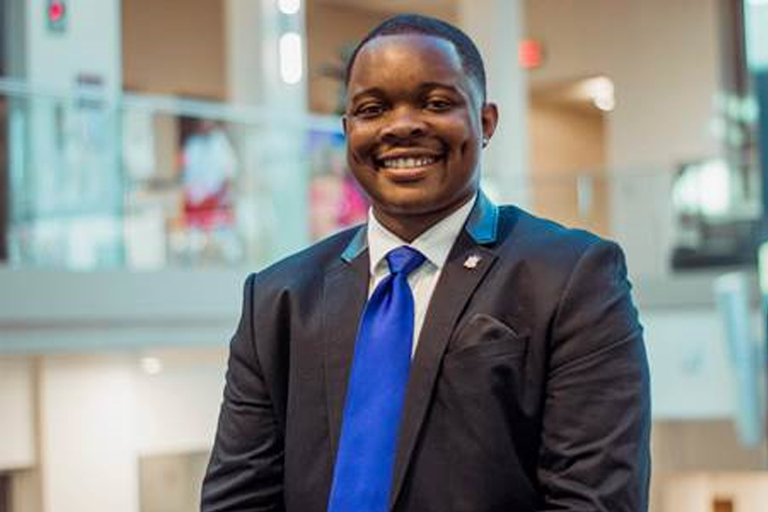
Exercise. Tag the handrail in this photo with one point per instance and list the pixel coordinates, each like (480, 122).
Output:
(175, 105)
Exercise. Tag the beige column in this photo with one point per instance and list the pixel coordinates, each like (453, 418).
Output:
(496, 26)
(274, 202)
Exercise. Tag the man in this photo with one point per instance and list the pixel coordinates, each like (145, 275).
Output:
(524, 386)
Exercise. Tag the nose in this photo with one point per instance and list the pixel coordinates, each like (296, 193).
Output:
(403, 124)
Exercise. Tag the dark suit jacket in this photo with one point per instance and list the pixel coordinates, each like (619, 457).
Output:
(529, 389)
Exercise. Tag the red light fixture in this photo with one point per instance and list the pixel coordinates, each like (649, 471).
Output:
(530, 54)
(56, 12)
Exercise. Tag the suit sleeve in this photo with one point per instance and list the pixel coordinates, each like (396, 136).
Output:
(245, 473)
(596, 425)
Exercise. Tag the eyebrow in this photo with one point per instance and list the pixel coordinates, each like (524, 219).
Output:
(372, 91)
(378, 91)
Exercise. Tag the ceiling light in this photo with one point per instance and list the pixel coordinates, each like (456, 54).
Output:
(151, 365)
(602, 93)
(291, 60)
(289, 6)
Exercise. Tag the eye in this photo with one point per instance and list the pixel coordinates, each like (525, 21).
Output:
(369, 110)
(438, 104)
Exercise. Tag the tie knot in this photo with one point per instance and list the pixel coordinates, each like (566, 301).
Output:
(404, 260)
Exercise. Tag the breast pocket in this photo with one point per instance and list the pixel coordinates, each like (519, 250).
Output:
(484, 336)
(480, 401)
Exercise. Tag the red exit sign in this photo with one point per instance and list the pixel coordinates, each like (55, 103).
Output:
(56, 14)
(530, 54)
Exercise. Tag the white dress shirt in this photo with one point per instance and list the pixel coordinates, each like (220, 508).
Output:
(435, 244)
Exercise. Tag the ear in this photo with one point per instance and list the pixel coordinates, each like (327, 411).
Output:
(489, 116)
(344, 124)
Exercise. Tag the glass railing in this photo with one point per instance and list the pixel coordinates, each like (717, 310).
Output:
(145, 182)
(148, 182)
(700, 215)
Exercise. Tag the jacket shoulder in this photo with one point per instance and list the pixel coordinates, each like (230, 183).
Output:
(542, 240)
(308, 264)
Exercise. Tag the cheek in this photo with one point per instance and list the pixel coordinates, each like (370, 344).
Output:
(356, 159)
(463, 132)
(360, 141)
(359, 161)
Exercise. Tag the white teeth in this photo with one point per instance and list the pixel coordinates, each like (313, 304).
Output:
(408, 163)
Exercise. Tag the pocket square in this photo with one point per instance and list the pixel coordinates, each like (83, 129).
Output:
(482, 330)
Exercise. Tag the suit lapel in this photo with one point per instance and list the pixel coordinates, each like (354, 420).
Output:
(466, 267)
(344, 295)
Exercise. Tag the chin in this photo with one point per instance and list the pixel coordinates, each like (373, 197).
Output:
(409, 202)
(420, 206)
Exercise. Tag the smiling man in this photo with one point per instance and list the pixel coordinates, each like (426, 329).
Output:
(451, 354)
(416, 123)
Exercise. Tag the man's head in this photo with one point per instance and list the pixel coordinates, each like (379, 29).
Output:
(416, 121)
(471, 60)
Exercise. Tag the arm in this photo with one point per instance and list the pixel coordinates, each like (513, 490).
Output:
(245, 472)
(596, 424)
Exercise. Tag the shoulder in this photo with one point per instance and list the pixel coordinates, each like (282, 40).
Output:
(553, 253)
(524, 232)
(307, 266)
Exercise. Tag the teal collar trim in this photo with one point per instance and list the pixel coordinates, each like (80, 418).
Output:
(358, 244)
(483, 222)
(482, 226)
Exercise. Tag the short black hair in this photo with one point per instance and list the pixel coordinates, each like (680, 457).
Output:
(404, 24)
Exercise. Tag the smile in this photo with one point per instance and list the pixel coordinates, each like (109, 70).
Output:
(407, 162)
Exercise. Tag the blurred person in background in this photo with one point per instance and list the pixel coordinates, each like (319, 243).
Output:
(451, 354)
(208, 166)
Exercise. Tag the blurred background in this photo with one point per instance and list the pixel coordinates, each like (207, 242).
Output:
(154, 152)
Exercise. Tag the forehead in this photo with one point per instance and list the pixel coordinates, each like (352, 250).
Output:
(404, 60)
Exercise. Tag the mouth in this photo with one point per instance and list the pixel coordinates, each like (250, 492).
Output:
(406, 162)
(407, 168)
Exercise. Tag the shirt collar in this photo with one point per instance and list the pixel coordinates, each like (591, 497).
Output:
(435, 243)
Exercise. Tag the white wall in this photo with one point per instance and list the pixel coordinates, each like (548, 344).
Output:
(94, 416)
(663, 58)
(17, 409)
(747, 492)
(100, 413)
(90, 44)
(691, 376)
(88, 434)
(178, 407)
(696, 369)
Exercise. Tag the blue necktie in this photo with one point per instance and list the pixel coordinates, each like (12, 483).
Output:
(362, 476)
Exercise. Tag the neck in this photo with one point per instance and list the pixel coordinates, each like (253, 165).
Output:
(406, 229)
(409, 227)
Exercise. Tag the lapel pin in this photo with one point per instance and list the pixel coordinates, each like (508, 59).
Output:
(472, 261)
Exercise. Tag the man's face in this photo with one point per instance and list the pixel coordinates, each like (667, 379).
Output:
(415, 123)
